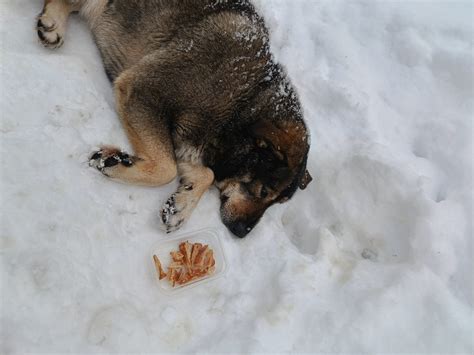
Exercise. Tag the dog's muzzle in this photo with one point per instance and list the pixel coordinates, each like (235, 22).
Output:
(240, 228)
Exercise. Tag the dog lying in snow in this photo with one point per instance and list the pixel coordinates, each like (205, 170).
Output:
(200, 97)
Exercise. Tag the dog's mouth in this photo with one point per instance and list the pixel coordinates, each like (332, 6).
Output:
(239, 225)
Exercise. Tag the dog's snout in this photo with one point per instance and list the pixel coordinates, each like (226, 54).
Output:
(239, 228)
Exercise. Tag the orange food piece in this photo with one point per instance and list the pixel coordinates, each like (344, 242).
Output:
(186, 249)
(199, 261)
(195, 251)
(176, 256)
(159, 268)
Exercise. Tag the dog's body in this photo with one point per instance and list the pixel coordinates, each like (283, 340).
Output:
(200, 97)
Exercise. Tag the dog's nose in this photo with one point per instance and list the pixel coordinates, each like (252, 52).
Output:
(240, 229)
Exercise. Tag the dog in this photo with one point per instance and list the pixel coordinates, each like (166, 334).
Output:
(200, 97)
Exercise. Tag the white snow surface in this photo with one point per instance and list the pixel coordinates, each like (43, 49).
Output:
(374, 256)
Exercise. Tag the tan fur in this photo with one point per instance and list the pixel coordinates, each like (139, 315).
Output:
(156, 164)
(92, 9)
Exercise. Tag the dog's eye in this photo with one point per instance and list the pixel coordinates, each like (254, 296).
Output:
(263, 192)
(261, 143)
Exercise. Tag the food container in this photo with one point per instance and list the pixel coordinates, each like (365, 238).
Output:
(163, 248)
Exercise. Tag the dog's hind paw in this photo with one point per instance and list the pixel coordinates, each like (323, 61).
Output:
(50, 33)
(108, 158)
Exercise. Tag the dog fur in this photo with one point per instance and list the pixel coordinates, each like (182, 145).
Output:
(200, 97)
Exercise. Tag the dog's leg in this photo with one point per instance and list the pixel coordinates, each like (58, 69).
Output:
(195, 180)
(52, 21)
(154, 162)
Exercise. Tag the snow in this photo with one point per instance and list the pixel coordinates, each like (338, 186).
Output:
(374, 256)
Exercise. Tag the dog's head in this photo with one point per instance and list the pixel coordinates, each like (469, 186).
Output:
(266, 166)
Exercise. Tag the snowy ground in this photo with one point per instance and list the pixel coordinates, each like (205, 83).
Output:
(375, 256)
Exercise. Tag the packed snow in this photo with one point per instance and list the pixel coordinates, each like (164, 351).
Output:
(374, 256)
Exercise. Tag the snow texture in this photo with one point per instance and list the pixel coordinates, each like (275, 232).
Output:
(375, 256)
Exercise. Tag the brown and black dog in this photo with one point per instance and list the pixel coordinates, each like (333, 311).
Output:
(200, 97)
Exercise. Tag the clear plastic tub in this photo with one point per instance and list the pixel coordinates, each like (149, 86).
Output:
(163, 248)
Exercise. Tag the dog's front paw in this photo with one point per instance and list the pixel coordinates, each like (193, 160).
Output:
(177, 210)
(108, 159)
(50, 32)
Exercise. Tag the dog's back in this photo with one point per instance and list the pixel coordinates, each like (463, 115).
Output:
(204, 31)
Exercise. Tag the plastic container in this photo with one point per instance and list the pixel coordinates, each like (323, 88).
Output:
(163, 248)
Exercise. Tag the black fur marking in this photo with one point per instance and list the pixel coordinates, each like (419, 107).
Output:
(111, 161)
(96, 155)
(109, 74)
(224, 199)
(41, 25)
(127, 162)
(125, 159)
(169, 209)
(41, 35)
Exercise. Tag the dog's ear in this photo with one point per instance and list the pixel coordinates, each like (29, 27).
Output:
(287, 140)
(305, 180)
